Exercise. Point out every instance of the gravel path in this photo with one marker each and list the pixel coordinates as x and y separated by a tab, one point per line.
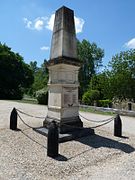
102	156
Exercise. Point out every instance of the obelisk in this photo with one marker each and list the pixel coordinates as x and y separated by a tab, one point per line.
63	68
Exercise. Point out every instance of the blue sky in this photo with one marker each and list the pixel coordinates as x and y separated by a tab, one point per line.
26	25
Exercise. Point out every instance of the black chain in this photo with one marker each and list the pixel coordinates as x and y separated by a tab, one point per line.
99	121
106	121
26	134
102	124
39	117
24	121
75	127
33	139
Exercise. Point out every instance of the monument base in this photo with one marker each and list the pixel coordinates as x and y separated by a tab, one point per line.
69	128
72	135
65	125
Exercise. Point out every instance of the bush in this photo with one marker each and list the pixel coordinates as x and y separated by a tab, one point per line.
90	96
105	103
86	98
11	94
42	96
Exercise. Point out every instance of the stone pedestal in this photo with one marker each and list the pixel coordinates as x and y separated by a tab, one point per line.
63	104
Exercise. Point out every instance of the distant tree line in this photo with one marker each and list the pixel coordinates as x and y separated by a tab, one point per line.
116	81
15	74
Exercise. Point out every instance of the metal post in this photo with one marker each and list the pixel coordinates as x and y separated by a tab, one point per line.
13	119
117	126
129	106
52	140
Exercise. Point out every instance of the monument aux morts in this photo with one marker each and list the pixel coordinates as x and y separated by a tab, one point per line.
63	68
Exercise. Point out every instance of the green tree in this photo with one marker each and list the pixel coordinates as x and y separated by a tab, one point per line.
15	74
33	66
40	77
90	96
119	81
122	75
91	58
102	83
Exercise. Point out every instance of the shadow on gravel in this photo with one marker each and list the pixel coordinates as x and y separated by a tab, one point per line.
124	137
97	141
26	135
61	158
16	130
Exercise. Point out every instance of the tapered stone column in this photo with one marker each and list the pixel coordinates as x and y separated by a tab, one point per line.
63	68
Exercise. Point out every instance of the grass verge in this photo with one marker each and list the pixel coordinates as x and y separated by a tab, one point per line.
92	110
28	101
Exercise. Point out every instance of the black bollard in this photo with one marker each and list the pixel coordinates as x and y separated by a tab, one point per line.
52	140
13	119
117	126
129	106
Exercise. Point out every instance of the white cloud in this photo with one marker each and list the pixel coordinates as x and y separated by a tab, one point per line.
28	24
79	22
37	24
45	22
131	43
45	48
50	22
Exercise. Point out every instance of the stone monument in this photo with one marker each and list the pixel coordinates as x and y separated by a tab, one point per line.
63	68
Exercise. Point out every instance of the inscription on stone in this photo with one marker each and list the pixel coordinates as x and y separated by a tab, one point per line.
70	97
74	99
67	99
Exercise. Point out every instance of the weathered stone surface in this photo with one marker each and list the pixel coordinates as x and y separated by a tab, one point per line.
63	104
64	38
63	68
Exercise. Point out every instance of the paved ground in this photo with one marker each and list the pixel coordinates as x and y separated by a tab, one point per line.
102	156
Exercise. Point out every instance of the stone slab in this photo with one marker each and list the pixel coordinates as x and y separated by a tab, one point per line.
78	133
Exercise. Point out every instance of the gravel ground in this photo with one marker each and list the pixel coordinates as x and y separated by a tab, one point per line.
23	153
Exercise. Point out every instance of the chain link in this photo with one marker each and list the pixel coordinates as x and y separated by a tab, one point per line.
99	121
24	121
39	117
93	127
103	122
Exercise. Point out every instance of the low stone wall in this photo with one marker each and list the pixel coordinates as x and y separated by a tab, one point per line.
114	110
124	105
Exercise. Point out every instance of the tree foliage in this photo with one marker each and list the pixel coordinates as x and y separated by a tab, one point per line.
91	58
42	96
15	75
101	82
119	81
40	77
90	96
33	66
122	75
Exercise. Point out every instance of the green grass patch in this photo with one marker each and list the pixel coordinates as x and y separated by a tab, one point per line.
92	110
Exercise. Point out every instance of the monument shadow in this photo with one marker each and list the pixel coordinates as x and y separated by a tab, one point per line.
97	141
